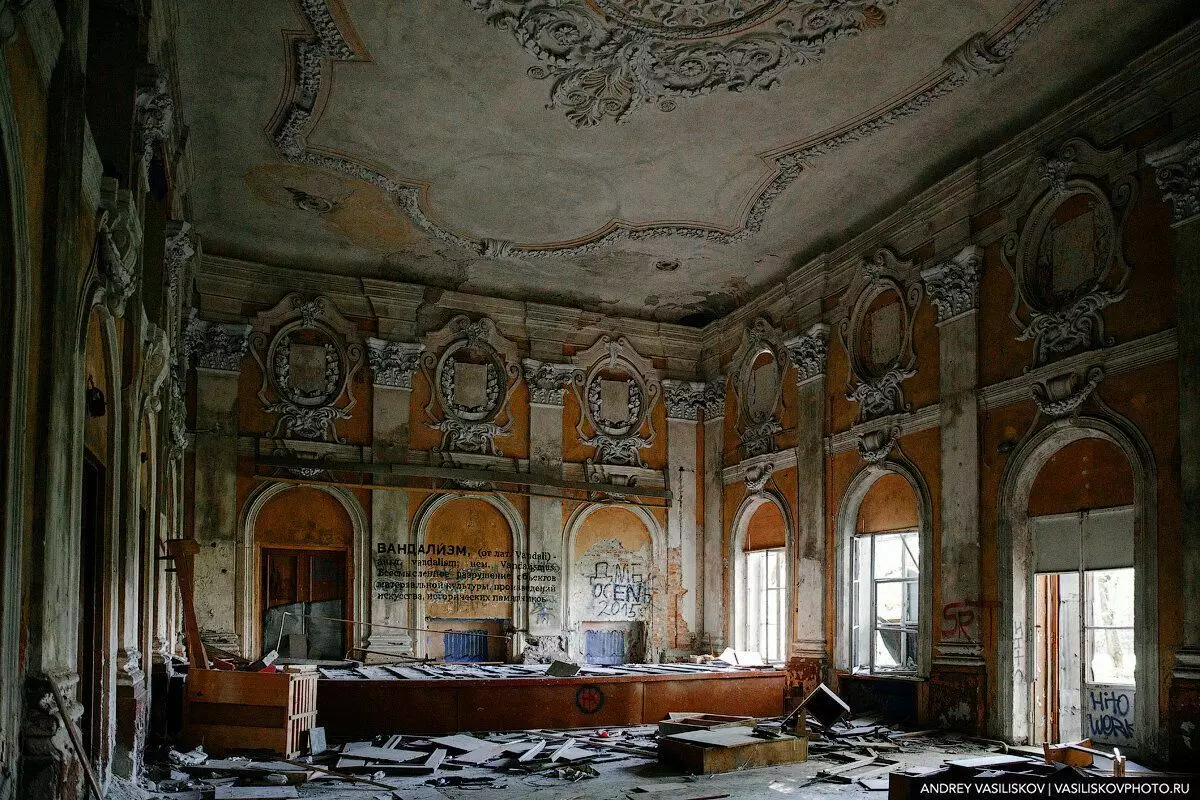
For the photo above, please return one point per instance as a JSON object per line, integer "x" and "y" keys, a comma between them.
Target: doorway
{"x": 1083, "y": 639}
{"x": 91, "y": 641}
{"x": 304, "y": 603}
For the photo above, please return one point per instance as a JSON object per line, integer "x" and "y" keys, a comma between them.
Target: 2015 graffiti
{"x": 620, "y": 592}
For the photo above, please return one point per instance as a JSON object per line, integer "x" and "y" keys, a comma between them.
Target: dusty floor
{"x": 618, "y": 780}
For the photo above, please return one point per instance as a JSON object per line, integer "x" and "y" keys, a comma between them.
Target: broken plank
{"x": 532, "y": 752}
{"x": 382, "y": 753}
{"x": 460, "y": 742}
{"x": 254, "y": 792}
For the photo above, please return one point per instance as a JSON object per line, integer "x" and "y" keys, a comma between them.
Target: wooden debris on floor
{"x": 442, "y": 671}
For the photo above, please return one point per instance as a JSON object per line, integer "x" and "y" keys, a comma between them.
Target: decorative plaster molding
{"x": 1178, "y": 179}
{"x": 975, "y": 58}
{"x": 217, "y": 346}
{"x": 618, "y": 442}
{"x": 876, "y": 445}
{"x": 156, "y": 363}
{"x": 329, "y": 44}
{"x": 307, "y": 353}
{"x": 178, "y": 253}
{"x": 608, "y": 59}
{"x": 470, "y": 428}
{"x": 1064, "y": 394}
{"x": 953, "y": 285}
{"x": 921, "y": 419}
{"x": 120, "y": 230}
{"x": 758, "y": 475}
{"x": 156, "y": 117}
{"x": 810, "y": 353}
{"x": 684, "y": 399}
{"x": 393, "y": 363}
{"x": 1060, "y": 321}
{"x": 771, "y": 462}
{"x": 1120, "y": 358}
{"x": 547, "y": 382}
{"x": 757, "y": 419}
{"x": 878, "y": 387}
{"x": 714, "y": 399}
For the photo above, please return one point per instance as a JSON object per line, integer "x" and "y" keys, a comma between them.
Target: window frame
{"x": 757, "y": 634}
{"x": 868, "y": 617}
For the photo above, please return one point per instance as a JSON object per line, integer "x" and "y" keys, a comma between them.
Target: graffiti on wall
{"x": 960, "y": 621}
{"x": 613, "y": 584}
{"x": 1108, "y": 714}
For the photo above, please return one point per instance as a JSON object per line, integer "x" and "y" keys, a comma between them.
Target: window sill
{"x": 909, "y": 677}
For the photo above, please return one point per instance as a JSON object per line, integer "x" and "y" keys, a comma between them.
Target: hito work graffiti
{"x": 1108, "y": 714}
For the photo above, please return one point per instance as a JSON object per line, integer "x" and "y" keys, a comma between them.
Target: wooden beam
{"x": 456, "y": 490}
{"x": 459, "y": 474}
{"x": 183, "y": 552}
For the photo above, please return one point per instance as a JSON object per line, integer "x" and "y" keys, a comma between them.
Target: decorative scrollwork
{"x": 618, "y": 441}
{"x": 547, "y": 382}
{"x": 954, "y": 285}
{"x": 468, "y": 416}
{"x": 308, "y": 354}
{"x": 1064, "y": 394}
{"x": 1066, "y": 261}
{"x": 876, "y": 384}
{"x": 120, "y": 231}
{"x": 1178, "y": 179}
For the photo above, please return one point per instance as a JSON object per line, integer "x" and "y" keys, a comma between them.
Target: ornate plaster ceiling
{"x": 654, "y": 158}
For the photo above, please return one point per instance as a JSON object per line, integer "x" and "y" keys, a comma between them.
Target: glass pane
{"x": 1110, "y": 656}
{"x": 910, "y": 650}
{"x": 889, "y": 603}
{"x": 912, "y": 554}
{"x": 889, "y": 555}
{"x": 887, "y": 650}
{"x": 754, "y": 598}
{"x": 774, "y": 573}
{"x": 912, "y": 598}
{"x": 860, "y": 599}
{"x": 1110, "y": 598}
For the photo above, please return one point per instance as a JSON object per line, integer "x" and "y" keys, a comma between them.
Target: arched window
{"x": 885, "y": 575}
{"x": 762, "y": 578}
{"x": 766, "y": 583}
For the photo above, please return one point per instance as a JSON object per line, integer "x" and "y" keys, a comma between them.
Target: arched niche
{"x": 761, "y": 522}
{"x": 614, "y": 556}
{"x": 888, "y": 496}
{"x": 308, "y": 516}
{"x": 457, "y": 520}
{"x": 1014, "y": 551}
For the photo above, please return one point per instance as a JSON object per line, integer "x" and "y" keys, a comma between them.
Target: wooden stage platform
{"x": 364, "y": 708}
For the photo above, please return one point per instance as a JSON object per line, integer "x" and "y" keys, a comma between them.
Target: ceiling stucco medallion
{"x": 607, "y": 58}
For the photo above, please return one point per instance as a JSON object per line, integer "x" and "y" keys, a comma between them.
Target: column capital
{"x": 714, "y": 399}
{"x": 953, "y": 285}
{"x": 810, "y": 353}
{"x": 394, "y": 363}
{"x": 1178, "y": 178}
{"x": 684, "y": 399}
{"x": 217, "y": 346}
{"x": 547, "y": 381}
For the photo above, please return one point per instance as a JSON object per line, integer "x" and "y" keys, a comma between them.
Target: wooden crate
{"x": 728, "y": 749}
{"x": 249, "y": 710}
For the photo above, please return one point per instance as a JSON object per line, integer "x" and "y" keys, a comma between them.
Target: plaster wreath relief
{"x": 307, "y": 353}
{"x": 1067, "y": 260}
{"x": 635, "y": 52}
{"x": 617, "y": 389}
{"x": 632, "y": 52}
{"x": 472, "y": 376}
{"x": 759, "y": 365}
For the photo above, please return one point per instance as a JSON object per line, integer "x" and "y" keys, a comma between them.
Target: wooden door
{"x": 310, "y": 586}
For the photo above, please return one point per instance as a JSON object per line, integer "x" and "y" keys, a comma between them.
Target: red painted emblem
{"x": 589, "y": 699}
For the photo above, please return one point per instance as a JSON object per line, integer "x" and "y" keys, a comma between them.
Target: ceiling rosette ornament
{"x": 308, "y": 354}
{"x": 877, "y": 334}
{"x": 1067, "y": 260}
{"x": 617, "y": 389}
{"x": 607, "y": 58}
{"x": 472, "y": 370}
{"x": 759, "y": 365}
